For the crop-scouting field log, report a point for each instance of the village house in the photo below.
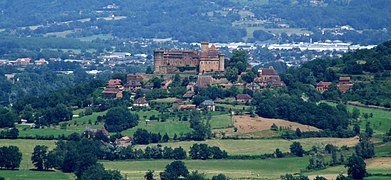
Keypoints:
(268, 76)
(113, 89)
(22, 61)
(177, 103)
(133, 82)
(188, 95)
(141, 102)
(209, 105)
(90, 132)
(243, 98)
(40, 62)
(124, 141)
(322, 86)
(344, 84)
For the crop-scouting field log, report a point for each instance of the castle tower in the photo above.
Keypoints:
(221, 62)
(204, 46)
(158, 60)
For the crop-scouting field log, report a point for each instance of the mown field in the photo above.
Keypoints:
(248, 169)
(38, 175)
(261, 146)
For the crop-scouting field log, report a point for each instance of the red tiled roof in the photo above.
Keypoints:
(324, 84)
(344, 78)
(268, 71)
(114, 82)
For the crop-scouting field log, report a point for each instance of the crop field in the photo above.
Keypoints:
(221, 121)
(38, 175)
(249, 169)
(261, 146)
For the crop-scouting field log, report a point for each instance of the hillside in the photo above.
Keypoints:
(192, 21)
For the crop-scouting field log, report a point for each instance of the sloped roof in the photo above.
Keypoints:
(243, 96)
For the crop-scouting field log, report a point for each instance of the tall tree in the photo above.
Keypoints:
(356, 167)
(119, 118)
(39, 156)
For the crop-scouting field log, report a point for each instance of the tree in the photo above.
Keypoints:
(219, 177)
(368, 129)
(119, 118)
(231, 74)
(179, 153)
(195, 175)
(13, 133)
(141, 136)
(355, 113)
(297, 149)
(278, 153)
(248, 77)
(7, 118)
(298, 132)
(165, 138)
(356, 167)
(356, 128)
(365, 147)
(10, 157)
(39, 156)
(97, 171)
(174, 170)
(149, 175)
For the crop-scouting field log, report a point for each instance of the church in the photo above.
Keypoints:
(206, 61)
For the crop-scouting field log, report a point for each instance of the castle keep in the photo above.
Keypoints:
(208, 60)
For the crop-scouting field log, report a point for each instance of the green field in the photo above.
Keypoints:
(169, 127)
(258, 146)
(94, 37)
(249, 169)
(221, 121)
(165, 100)
(383, 150)
(38, 175)
(26, 146)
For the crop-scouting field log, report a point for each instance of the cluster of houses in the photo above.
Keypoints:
(26, 61)
(123, 141)
(344, 84)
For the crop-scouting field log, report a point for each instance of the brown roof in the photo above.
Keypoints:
(344, 78)
(114, 82)
(189, 106)
(204, 81)
(268, 71)
(189, 94)
(344, 87)
(141, 101)
(110, 91)
(134, 77)
(243, 96)
(323, 84)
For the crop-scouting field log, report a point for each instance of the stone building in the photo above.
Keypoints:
(208, 60)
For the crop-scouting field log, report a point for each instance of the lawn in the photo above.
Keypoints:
(221, 121)
(234, 107)
(165, 100)
(383, 150)
(235, 169)
(260, 146)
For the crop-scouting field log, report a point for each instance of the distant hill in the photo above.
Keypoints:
(370, 71)
(201, 20)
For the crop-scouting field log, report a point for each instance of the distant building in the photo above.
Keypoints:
(209, 105)
(243, 98)
(124, 141)
(41, 61)
(268, 76)
(187, 107)
(113, 89)
(141, 102)
(92, 132)
(188, 95)
(204, 81)
(322, 86)
(22, 61)
(133, 82)
(208, 60)
(344, 84)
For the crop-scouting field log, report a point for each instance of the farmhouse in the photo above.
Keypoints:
(124, 141)
(322, 86)
(209, 105)
(141, 102)
(344, 84)
(133, 82)
(92, 132)
(268, 76)
(113, 89)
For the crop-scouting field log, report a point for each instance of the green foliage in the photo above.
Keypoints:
(365, 148)
(10, 157)
(97, 171)
(231, 74)
(149, 175)
(7, 118)
(219, 177)
(203, 151)
(119, 118)
(39, 157)
(297, 149)
(356, 167)
(174, 170)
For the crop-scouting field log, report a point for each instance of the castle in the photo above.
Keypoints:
(206, 61)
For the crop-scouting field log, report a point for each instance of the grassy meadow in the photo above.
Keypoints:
(260, 146)
(249, 169)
